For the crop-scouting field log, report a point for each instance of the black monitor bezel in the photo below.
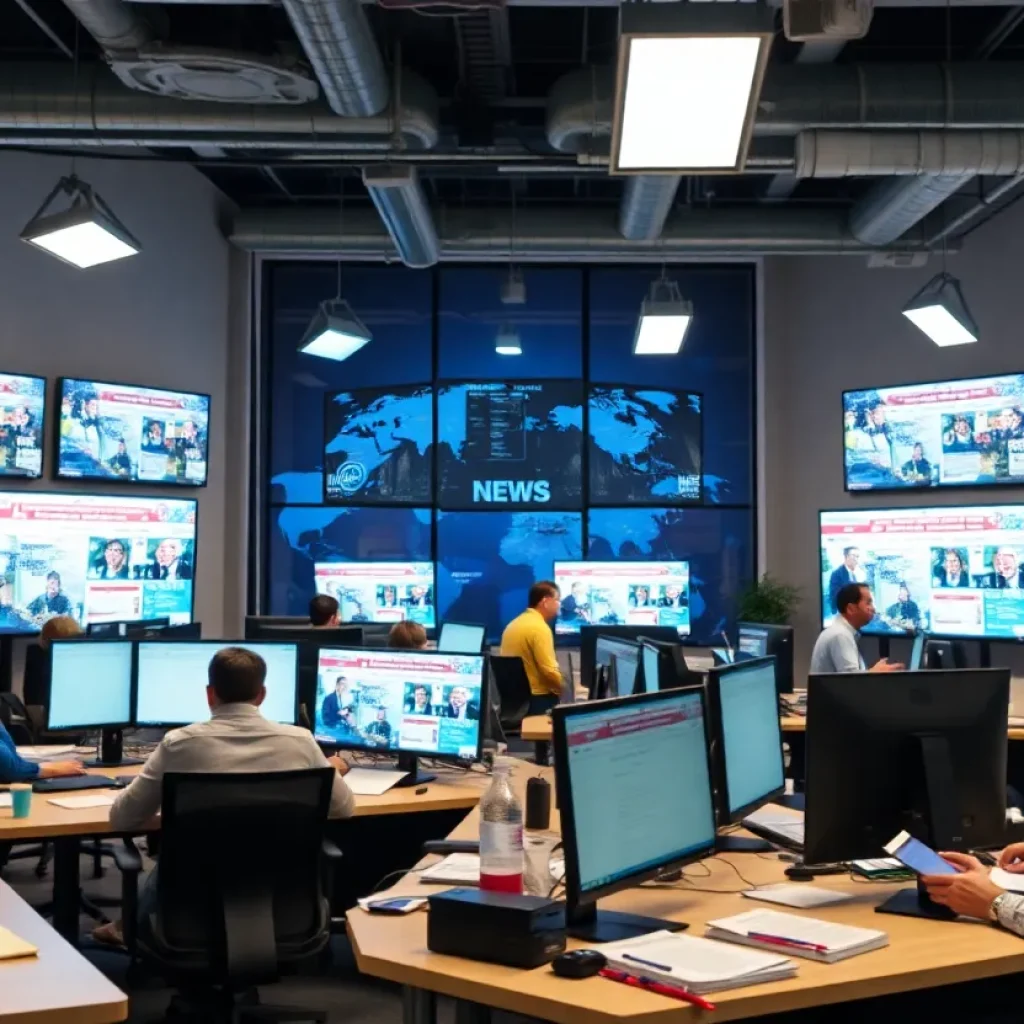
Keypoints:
(473, 625)
(78, 641)
(780, 634)
(132, 481)
(563, 788)
(431, 755)
(44, 416)
(719, 758)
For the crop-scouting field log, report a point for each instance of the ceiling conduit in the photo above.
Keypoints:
(116, 26)
(646, 203)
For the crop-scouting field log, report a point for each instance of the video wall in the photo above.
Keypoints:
(428, 446)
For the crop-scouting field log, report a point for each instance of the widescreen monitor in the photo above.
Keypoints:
(645, 446)
(953, 433)
(172, 680)
(126, 432)
(108, 630)
(22, 422)
(379, 592)
(955, 571)
(109, 558)
(379, 446)
(510, 444)
(461, 638)
(623, 594)
(626, 654)
(664, 666)
(90, 684)
(761, 640)
(621, 827)
(589, 635)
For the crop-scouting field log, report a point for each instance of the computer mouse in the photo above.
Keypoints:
(578, 963)
(799, 873)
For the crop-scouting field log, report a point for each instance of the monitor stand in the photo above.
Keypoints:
(593, 925)
(408, 763)
(915, 903)
(110, 751)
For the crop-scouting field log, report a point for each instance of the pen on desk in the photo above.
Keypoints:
(684, 995)
(782, 940)
(647, 963)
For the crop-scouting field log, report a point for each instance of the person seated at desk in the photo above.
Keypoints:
(37, 662)
(14, 768)
(323, 612)
(836, 649)
(407, 636)
(972, 893)
(237, 738)
(528, 636)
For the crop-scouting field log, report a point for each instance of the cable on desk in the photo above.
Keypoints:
(401, 871)
(745, 881)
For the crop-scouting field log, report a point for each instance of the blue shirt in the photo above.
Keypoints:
(836, 649)
(12, 767)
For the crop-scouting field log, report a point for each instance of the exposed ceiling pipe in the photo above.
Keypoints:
(116, 26)
(591, 237)
(339, 43)
(954, 227)
(892, 207)
(403, 208)
(646, 203)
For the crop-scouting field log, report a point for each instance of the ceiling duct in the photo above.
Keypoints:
(892, 207)
(403, 208)
(116, 26)
(476, 235)
(339, 43)
(646, 203)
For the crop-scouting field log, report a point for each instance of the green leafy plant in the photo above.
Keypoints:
(769, 601)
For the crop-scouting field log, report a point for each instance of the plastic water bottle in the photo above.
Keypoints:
(501, 834)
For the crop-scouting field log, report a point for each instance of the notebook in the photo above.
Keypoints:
(698, 965)
(12, 947)
(777, 825)
(808, 937)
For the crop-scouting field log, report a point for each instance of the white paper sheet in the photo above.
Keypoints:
(1007, 880)
(78, 803)
(802, 896)
(372, 781)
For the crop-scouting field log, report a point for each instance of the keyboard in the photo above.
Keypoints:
(74, 782)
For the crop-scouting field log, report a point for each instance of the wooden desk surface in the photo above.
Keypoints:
(921, 954)
(59, 986)
(450, 792)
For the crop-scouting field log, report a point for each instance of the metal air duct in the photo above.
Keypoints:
(894, 206)
(403, 208)
(116, 26)
(646, 203)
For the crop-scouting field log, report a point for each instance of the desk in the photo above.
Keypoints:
(921, 954)
(59, 986)
(66, 828)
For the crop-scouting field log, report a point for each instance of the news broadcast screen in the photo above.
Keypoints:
(955, 433)
(956, 571)
(623, 594)
(22, 419)
(95, 558)
(417, 702)
(645, 446)
(379, 591)
(510, 444)
(123, 432)
(378, 446)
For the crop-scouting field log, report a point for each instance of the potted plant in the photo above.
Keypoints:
(769, 601)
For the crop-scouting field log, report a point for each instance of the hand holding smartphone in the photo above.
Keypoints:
(921, 859)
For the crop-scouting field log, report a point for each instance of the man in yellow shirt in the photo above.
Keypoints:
(528, 636)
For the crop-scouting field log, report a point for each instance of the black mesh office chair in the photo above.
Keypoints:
(514, 690)
(241, 890)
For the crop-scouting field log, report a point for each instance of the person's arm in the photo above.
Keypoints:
(134, 807)
(542, 646)
(13, 767)
(1010, 913)
(343, 801)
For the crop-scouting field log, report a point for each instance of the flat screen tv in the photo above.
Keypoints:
(510, 444)
(953, 433)
(97, 558)
(22, 420)
(379, 446)
(386, 592)
(645, 446)
(956, 571)
(126, 432)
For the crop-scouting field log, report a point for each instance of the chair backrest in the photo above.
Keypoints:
(36, 681)
(240, 868)
(513, 687)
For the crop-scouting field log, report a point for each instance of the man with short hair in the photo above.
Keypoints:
(323, 611)
(528, 636)
(836, 649)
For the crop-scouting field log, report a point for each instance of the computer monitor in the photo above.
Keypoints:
(461, 638)
(171, 680)
(91, 688)
(407, 703)
(943, 654)
(254, 622)
(917, 651)
(101, 630)
(588, 642)
(624, 671)
(620, 824)
(606, 649)
(304, 633)
(664, 666)
(747, 737)
(921, 751)
(759, 640)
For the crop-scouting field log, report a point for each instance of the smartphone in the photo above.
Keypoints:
(397, 905)
(921, 859)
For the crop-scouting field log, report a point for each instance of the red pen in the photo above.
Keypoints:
(781, 940)
(659, 988)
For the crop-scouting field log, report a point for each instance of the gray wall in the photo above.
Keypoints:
(832, 324)
(174, 316)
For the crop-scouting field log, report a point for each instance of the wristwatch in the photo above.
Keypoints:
(993, 907)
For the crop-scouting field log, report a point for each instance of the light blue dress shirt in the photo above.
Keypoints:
(836, 649)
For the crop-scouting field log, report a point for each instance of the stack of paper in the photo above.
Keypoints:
(464, 869)
(802, 936)
(59, 752)
(696, 964)
(777, 825)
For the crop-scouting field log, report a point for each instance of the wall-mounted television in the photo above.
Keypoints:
(380, 591)
(22, 421)
(956, 571)
(623, 594)
(125, 432)
(645, 446)
(952, 433)
(378, 446)
(97, 558)
(511, 444)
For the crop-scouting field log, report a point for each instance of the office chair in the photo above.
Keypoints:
(513, 689)
(240, 889)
